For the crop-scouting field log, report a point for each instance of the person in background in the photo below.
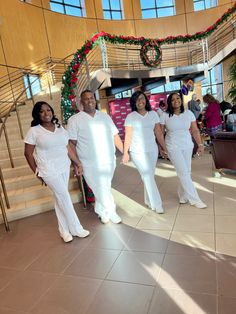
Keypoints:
(178, 123)
(225, 108)
(162, 108)
(93, 138)
(212, 115)
(231, 119)
(142, 127)
(46, 151)
(194, 106)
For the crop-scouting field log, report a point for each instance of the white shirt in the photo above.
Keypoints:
(177, 129)
(94, 136)
(51, 154)
(231, 118)
(143, 137)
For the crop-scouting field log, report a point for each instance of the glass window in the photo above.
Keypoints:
(70, 7)
(157, 8)
(34, 81)
(204, 4)
(213, 84)
(112, 9)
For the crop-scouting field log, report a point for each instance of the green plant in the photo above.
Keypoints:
(232, 82)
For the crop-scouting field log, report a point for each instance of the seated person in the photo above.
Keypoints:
(231, 120)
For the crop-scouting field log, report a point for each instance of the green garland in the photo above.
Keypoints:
(68, 101)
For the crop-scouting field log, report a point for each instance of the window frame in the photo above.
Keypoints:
(64, 5)
(204, 4)
(157, 8)
(110, 11)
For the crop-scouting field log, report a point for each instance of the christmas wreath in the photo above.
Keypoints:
(150, 53)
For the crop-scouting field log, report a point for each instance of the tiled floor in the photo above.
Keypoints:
(182, 262)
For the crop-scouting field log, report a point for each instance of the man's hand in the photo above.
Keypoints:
(78, 169)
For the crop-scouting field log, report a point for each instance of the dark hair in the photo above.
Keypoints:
(133, 100)
(170, 109)
(162, 104)
(209, 99)
(36, 116)
(224, 105)
(233, 110)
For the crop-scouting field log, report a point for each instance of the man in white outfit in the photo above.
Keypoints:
(94, 136)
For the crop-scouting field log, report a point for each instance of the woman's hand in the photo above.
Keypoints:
(125, 158)
(78, 169)
(163, 153)
(200, 149)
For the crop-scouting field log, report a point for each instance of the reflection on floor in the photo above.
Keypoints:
(181, 262)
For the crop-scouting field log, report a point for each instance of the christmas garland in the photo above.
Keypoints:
(147, 47)
(70, 79)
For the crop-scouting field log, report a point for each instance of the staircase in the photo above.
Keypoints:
(26, 194)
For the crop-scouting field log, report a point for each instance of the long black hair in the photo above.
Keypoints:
(170, 108)
(36, 114)
(133, 100)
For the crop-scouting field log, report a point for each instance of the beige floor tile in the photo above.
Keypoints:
(68, 295)
(187, 209)
(226, 305)
(149, 241)
(169, 301)
(226, 244)
(8, 311)
(93, 263)
(226, 275)
(27, 288)
(225, 224)
(157, 221)
(225, 205)
(136, 267)
(195, 223)
(7, 275)
(189, 273)
(191, 243)
(111, 236)
(119, 297)
(55, 259)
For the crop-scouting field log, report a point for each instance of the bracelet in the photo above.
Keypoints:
(36, 172)
(199, 145)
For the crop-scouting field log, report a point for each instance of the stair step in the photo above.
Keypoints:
(18, 161)
(37, 206)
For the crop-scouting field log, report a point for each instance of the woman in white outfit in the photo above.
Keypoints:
(142, 127)
(178, 123)
(46, 151)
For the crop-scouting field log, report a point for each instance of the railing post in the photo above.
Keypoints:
(30, 89)
(4, 216)
(4, 189)
(103, 49)
(8, 145)
(19, 122)
(127, 55)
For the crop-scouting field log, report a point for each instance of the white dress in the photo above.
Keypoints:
(53, 165)
(180, 147)
(144, 153)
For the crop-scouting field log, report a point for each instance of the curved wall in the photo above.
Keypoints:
(30, 31)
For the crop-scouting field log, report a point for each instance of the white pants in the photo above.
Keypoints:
(99, 180)
(145, 162)
(68, 221)
(182, 159)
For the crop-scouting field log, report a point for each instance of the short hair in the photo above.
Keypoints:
(87, 91)
(170, 108)
(134, 98)
(36, 114)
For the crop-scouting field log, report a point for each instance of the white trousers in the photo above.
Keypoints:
(68, 221)
(99, 180)
(145, 162)
(182, 159)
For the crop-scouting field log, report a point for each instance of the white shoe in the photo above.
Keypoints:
(82, 233)
(183, 201)
(67, 237)
(159, 210)
(115, 218)
(200, 205)
(104, 218)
